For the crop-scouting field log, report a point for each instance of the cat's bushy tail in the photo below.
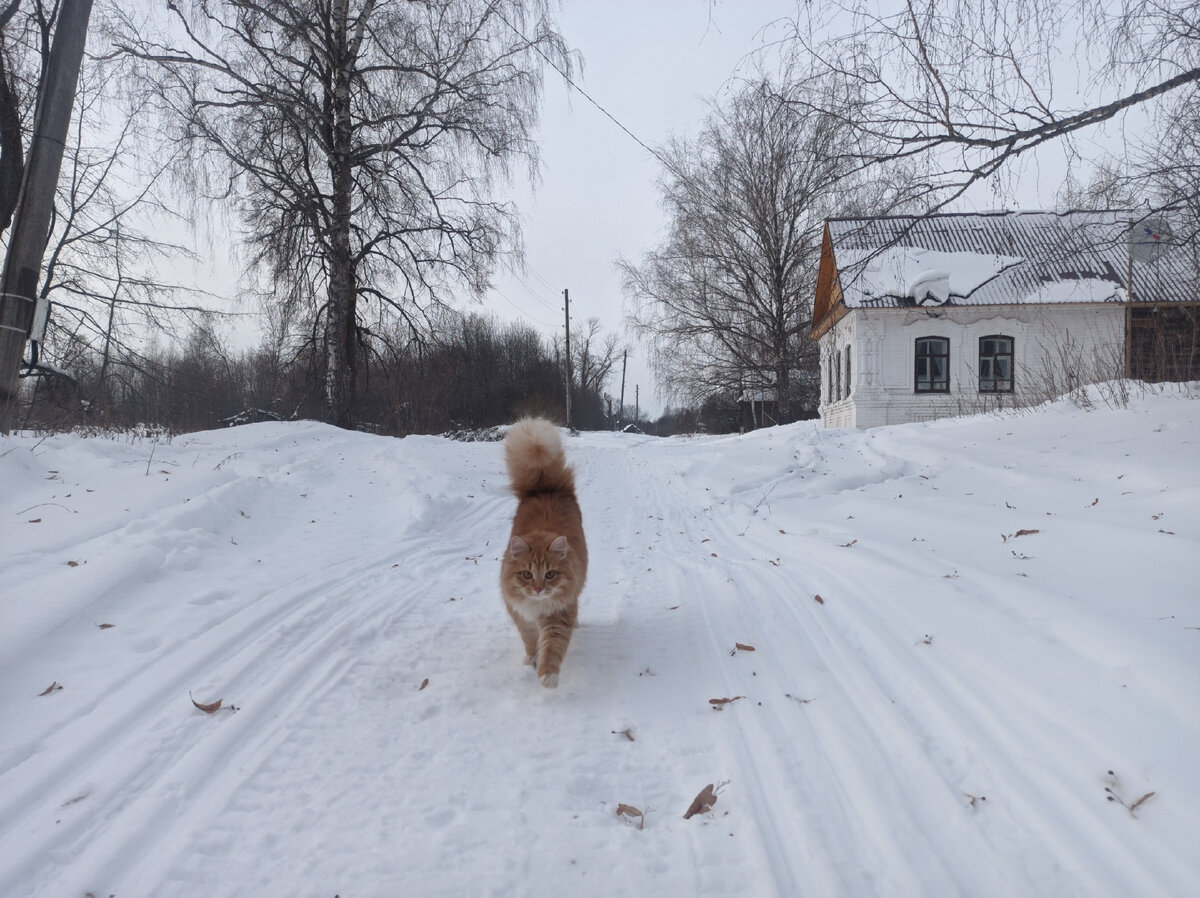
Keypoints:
(536, 462)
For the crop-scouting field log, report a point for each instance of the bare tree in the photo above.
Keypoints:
(592, 364)
(102, 282)
(24, 46)
(967, 88)
(361, 142)
(724, 301)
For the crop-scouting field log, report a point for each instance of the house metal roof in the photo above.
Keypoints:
(1003, 258)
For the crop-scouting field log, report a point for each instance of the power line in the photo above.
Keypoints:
(566, 77)
(533, 293)
(524, 313)
(666, 163)
(537, 275)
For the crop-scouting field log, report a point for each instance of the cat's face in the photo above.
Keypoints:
(539, 567)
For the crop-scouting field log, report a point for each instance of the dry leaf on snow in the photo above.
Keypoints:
(629, 812)
(211, 708)
(1137, 804)
(1005, 539)
(53, 687)
(703, 802)
(719, 703)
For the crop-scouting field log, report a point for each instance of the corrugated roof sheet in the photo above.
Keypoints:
(1003, 258)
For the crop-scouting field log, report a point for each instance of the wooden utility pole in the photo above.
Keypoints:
(621, 407)
(567, 310)
(31, 220)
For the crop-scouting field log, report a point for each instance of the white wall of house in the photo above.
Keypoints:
(1055, 348)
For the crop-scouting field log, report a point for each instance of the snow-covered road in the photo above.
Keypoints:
(949, 635)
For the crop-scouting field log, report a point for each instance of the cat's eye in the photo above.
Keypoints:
(527, 575)
(550, 575)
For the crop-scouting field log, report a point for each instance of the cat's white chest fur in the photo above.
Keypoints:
(533, 608)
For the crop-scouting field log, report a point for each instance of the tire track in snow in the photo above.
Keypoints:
(287, 649)
(273, 654)
(944, 740)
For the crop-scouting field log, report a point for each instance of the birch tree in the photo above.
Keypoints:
(361, 142)
(724, 301)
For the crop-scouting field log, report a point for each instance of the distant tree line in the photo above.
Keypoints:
(473, 372)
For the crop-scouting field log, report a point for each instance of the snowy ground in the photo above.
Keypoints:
(964, 634)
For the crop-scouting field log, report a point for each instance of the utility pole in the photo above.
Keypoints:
(567, 309)
(31, 220)
(637, 402)
(621, 407)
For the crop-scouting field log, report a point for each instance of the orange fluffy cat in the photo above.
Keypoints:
(545, 562)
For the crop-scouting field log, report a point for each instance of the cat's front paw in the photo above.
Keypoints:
(531, 660)
(550, 680)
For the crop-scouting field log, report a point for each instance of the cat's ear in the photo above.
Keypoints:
(558, 548)
(518, 547)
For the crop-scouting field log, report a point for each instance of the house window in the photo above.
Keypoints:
(837, 375)
(995, 364)
(932, 365)
(847, 384)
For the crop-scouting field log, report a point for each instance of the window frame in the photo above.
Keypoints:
(997, 384)
(934, 385)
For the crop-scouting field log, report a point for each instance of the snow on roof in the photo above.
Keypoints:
(929, 277)
(999, 258)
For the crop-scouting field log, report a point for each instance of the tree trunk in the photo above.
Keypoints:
(341, 380)
(783, 402)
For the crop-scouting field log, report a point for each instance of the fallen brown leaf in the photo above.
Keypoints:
(628, 810)
(719, 703)
(627, 733)
(817, 598)
(53, 687)
(105, 626)
(742, 647)
(424, 683)
(703, 802)
(1137, 804)
(211, 708)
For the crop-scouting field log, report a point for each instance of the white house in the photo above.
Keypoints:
(923, 317)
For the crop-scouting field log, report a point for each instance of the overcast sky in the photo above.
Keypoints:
(652, 64)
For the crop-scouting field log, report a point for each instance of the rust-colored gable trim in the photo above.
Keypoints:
(828, 308)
